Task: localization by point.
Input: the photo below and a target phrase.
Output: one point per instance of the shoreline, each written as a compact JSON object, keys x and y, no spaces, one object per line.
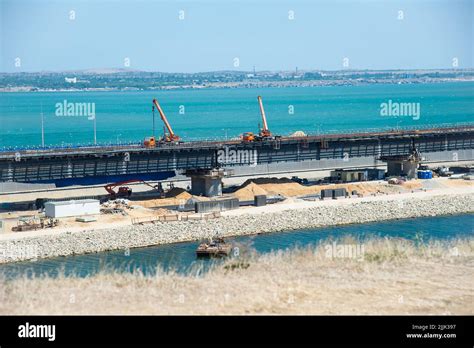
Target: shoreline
{"x":386,"y":277}
{"x":238,"y":85}
{"x":276,"y":218}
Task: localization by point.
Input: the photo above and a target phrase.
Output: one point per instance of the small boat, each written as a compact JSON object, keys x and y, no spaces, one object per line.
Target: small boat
{"x":215,"y":247}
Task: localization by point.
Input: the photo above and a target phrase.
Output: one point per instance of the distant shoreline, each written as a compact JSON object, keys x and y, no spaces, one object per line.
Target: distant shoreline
{"x":130,"y":80}
{"x":289,"y":84}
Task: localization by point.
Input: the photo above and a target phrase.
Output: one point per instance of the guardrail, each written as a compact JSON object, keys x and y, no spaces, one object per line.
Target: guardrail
{"x":218,"y":140}
{"x":395,"y":129}
{"x":69,"y":146}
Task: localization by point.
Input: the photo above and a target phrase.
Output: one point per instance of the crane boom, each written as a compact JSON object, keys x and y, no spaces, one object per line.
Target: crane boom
{"x":172,"y":136}
{"x":262,"y":111}
{"x":264,"y":132}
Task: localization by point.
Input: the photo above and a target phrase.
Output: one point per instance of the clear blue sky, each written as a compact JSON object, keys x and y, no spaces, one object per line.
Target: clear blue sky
{"x":213,"y":33}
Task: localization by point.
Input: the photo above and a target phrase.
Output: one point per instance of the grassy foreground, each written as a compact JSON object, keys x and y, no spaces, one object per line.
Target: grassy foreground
{"x":386,"y":277}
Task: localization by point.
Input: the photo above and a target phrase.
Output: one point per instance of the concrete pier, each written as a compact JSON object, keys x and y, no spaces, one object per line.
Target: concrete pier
{"x":207,"y":182}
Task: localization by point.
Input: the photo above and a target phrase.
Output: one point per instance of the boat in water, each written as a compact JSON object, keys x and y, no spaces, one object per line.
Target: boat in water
{"x":215,"y":247}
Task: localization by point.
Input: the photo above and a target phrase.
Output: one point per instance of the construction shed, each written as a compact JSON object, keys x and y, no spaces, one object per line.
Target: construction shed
{"x":350,"y":175}
{"x":72,"y":208}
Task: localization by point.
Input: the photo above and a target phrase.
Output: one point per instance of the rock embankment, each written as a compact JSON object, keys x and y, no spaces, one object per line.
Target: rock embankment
{"x":71,"y":243}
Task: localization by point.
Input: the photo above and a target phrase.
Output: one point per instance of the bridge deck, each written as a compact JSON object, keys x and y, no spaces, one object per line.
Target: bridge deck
{"x":58,"y":164}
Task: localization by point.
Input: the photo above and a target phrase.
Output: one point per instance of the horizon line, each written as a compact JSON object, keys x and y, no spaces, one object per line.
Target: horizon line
{"x":129,"y":70}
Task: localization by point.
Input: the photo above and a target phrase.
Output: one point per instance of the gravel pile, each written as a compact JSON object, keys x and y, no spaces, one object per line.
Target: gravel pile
{"x":71,"y":243}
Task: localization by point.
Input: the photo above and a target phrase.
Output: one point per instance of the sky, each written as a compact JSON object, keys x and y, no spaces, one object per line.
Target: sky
{"x":212,"y":35}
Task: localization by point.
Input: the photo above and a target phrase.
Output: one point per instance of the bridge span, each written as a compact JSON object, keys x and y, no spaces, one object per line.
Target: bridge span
{"x":91,"y":165}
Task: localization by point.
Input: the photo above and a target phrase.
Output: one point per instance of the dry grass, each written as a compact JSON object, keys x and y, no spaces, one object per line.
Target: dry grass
{"x":394,"y":277}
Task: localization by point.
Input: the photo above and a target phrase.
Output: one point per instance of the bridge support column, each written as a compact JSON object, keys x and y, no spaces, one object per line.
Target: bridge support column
{"x":206,"y":182}
{"x":405,"y":165}
{"x":407,"y":168}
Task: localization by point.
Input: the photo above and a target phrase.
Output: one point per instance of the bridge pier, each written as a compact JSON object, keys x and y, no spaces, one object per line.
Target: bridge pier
{"x":405,"y":165}
{"x":402,"y":167}
{"x":206,"y":182}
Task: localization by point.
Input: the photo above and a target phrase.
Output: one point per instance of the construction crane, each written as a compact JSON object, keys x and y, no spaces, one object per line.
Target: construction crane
{"x":264,"y":132}
{"x":168,"y":137}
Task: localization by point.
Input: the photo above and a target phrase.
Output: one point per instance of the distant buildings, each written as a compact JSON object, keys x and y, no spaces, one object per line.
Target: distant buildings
{"x":144,"y":80}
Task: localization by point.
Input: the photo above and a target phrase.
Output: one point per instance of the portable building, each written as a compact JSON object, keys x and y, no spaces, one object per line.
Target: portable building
{"x":72,"y":208}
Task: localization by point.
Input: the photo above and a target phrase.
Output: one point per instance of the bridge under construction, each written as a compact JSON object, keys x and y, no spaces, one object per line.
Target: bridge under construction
{"x":207,"y":162}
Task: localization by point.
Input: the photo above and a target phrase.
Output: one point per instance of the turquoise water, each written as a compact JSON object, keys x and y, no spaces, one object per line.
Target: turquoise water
{"x":217,"y":113}
{"x":181,"y":256}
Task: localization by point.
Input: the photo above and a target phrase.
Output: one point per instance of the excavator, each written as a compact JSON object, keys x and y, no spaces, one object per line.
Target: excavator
{"x":264,"y":133}
{"x":169,"y":137}
{"x":125,"y":191}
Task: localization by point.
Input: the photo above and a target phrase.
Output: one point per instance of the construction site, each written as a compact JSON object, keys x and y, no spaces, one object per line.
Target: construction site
{"x":164,"y":179}
{"x":151,"y":205}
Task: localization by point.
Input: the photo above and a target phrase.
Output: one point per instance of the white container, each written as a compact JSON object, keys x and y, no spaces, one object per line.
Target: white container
{"x":72,"y":208}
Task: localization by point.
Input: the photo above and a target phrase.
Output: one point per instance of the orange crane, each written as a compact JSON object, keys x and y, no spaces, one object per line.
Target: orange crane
{"x":264,"y":132}
{"x":167,"y":137}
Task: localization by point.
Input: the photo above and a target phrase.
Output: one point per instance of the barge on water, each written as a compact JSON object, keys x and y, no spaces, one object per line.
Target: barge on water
{"x":215,"y":247}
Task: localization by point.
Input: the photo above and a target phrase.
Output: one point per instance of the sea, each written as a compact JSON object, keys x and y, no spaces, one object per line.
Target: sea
{"x":217,"y":114}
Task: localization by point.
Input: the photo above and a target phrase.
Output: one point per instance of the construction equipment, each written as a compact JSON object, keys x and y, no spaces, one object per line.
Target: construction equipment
{"x":444,"y":171}
{"x":300,"y":181}
{"x":170,"y":136}
{"x":125,"y":191}
{"x":248,"y":137}
{"x":264,"y":132}
{"x":32,"y":223}
{"x":150,"y":142}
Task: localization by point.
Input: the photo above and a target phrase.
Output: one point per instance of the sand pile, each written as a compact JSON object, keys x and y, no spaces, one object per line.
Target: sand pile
{"x":257,"y":186}
{"x":411,"y":185}
{"x":298,"y":134}
{"x":177,"y":192}
{"x":289,"y":188}
{"x":162,"y":211}
{"x":140,"y":211}
{"x":247,"y":192}
{"x":260,"y":181}
{"x":366,"y":188}
{"x":286,"y":189}
{"x":175,"y":196}
{"x":202,"y":198}
{"x":456,"y":183}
